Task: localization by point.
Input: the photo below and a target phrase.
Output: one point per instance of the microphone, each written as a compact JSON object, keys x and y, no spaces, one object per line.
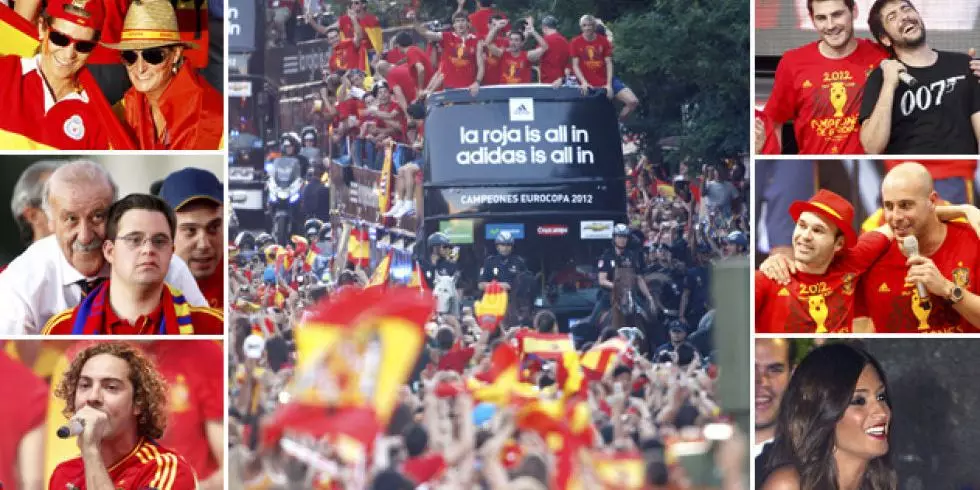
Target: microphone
{"x":72,"y":429}
{"x":910,"y":247}
{"x":907,"y":80}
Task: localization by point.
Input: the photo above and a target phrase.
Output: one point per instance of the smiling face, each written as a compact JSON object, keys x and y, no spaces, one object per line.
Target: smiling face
{"x":903,"y":25}
{"x":63,"y":62}
{"x":815,"y":240}
{"x":862,"y":432}
{"x":141,"y":251}
{"x":78,"y":212}
{"x":772,"y":371}
{"x":834,"y":22}
{"x":104,"y":384}
{"x":149,"y":78}
{"x":199,"y":236}
{"x":908,"y":205}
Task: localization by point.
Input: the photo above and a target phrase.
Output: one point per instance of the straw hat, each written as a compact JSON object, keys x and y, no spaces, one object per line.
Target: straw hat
{"x":149,"y":24}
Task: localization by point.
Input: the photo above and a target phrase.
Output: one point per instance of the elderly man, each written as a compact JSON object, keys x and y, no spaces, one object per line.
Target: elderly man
{"x":197,"y":198}
{"x":25,"y":203}
{"x":54,"y":273}
{"x":135,"y":300}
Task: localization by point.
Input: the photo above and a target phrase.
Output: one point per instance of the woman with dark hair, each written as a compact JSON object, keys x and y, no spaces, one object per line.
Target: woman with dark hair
{"x":832,"y":429}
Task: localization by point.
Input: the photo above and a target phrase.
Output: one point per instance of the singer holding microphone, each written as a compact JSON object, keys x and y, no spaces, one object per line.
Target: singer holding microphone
{"x":116,"y":402}
{"x":922,"y":101}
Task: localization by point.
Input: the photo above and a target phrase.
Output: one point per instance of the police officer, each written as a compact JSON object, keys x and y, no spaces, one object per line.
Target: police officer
{"x":736,"y":243}
{"x":290,"y":146}
{"x":617,"y":256}
{"x":504,"y":266}
{"x":438,"y":261}
{"x":264,"y":240}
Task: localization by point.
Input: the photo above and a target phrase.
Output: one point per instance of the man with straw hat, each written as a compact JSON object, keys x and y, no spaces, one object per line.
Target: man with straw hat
{"x":45,"y":105}
{"x":170,"y":106}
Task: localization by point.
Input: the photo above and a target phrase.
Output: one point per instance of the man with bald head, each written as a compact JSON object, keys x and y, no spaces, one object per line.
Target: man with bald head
{"x":56,"y":272}
{"x":947,"y":264}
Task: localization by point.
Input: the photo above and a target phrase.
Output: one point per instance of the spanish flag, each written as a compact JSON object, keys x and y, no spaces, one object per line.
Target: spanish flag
{"x":381,"y":273}
{"x":358,"y":247}
{"x":385,"y":184}
{"x":623,"y":470}
{"x":417,"y":282}
{"x":603,"y":357}
{"x":549,"y":346}
{"x":20,"y":38}
{"x":359,"y":347}
{"x":500,"y":384}
{"x":492,"y":307}
{"x":311,"y":256}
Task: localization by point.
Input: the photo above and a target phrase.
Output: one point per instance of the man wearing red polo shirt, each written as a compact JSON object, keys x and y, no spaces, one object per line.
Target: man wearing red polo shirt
{"x":197,"y":198}
{"x":495,"y":37}
{"x":135,"y":300}
{"x":515,"y":63}
{"x":555,"y":59}
{"x":118,"y":427}
{"x":592,"y":63}
{"x":462,"y":55}
{"x":195,"y":427}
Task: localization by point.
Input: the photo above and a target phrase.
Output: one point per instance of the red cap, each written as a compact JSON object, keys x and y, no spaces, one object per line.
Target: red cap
{"x":832,"y":207}
{"x":86,"y":13}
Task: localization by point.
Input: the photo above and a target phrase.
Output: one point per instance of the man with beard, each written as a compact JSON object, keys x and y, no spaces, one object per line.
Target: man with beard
{"x":515,"y":63}
{"x":135,"y":300}
{"x":56,"y":272}
{"x":828,"y":259}
{"x":937,"y":110}
{"x":197,"y":198}
{"x":819,"y":85}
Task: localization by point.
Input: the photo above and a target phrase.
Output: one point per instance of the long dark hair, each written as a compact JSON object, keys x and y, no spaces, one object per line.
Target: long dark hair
{"x":817,"y":396}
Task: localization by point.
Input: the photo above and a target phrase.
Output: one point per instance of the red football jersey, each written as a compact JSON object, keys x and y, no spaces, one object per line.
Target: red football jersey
{"x":415,"y":55}
{"x":21,"y":417}
{"x":32,"y":120}
{"x":346,"y":27}
{"x":817,"y":303}
{"x":480,"y":21}
{"x":148,"y":465}
{"x":823,"y":96}
{"x":555,"y":59}
{"x":894,"y":305}
{"x":401,"y":76}
{"x":515,"y":68}
{"x":491,"y":63}
{"x":193,"y":370}
{"x":592,"y":58}
{"x":345,"y":56}
{"x":458,"y":60}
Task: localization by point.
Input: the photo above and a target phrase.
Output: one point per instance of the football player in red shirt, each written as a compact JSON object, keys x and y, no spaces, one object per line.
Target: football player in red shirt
{"x":135,"y":300}
{"x":819,"y":86}
{"x":828,"y":259}
{"x":344,"y":55}
{"x":593,"y":65}
{"x":947,"y":263}
{"x":515,"y":63}
{"x":555,"y":60}
{"x":495,"y":37}
{"x":462,"y":62}
{"x":417,"y":61}
{"x":118,"y":398}
{"x":480,"y":20}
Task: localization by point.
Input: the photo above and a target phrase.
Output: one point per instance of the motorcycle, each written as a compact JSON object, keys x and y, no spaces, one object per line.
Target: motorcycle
{"x":285,"y":188}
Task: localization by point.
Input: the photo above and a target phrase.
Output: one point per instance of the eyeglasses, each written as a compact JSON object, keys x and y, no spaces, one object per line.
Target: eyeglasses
{"x":135,"y":241}
{"x":153,"y":56}
{"x":64,"y":40}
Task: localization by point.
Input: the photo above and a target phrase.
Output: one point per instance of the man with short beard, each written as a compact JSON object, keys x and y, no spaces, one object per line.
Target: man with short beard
{"x":197,"y":198}
{"x":819,"y":85}
{"x":56,"y":272}
{"x":939,"y":113}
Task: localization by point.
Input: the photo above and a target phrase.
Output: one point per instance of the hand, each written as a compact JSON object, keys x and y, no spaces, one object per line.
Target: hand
{"x":585,"y":87}
{"x":779,"y":268}
{"x":972,"y":216}
{"x":923,"y":270}
{"x":975,"y":63}
{"x":557,"y":83}
{"x":890,"y":70}
{"x":96,"y":422}
{"x":499,"y":24}
{"x":760,"y":134}
{"x":474,"y":88}
{"x":609,"y":92}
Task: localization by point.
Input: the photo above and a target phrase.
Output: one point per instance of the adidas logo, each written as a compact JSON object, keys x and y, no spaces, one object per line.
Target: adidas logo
{"x":522,"y":109}
{"x":884,"y":288}
{"x":807,"y":84}
{"x":783,"y":292}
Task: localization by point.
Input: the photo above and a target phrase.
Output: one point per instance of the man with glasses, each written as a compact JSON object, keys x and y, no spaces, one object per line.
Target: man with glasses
{"x":57,"y":271}
{"x":135,"y":300}
{"x":45,"y":105}
{"x":197,"y":198}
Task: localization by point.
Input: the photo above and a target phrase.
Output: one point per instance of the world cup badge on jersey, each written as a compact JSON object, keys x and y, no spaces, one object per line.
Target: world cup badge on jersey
{"x":179,"y":395}
{"x":848,"y":285}
{"x":74,"y":127}
{"x":961,"y":276}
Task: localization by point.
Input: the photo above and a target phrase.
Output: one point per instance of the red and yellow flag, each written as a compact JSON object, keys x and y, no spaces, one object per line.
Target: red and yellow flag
{"x":382,"y":272}
{"x":500,"y":384}
{"x":623,"y":470}
{"x":385,"y":183}
{"x":549,"y":346}
{"x":417,"y":282}
{"x":490,"y":309}
{"x":358,"y":247}
{"x":603,"y":357}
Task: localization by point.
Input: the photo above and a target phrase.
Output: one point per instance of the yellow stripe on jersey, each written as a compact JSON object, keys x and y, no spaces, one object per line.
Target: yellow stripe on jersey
{"x":161,"y":468}
{"x":173,"y":471}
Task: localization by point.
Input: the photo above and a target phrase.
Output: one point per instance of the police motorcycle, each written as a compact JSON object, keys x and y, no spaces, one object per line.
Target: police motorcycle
{"x":284,"y":189}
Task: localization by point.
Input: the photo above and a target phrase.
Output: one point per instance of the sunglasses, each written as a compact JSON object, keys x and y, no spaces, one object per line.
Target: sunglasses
{"x":153,"y":56}
{"x":64,"y":40}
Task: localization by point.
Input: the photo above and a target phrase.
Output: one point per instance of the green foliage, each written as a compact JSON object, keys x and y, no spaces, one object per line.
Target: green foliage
{"x":687,"y":62}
